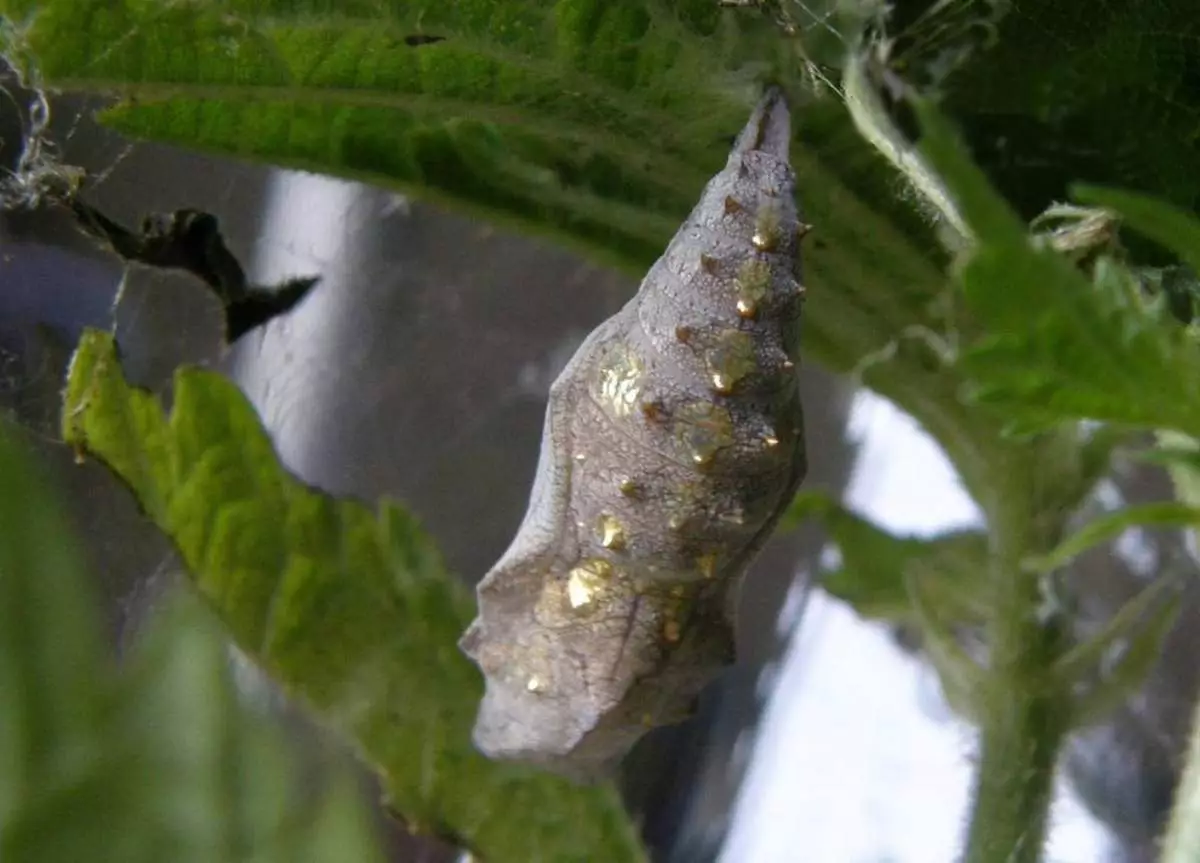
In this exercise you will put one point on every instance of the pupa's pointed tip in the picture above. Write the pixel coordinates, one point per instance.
(770, 126)
(468, 643)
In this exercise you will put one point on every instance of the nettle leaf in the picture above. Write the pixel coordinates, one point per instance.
(51, 701)
(595, 122)
(962, 679)
(876, 567)
(1108, 527)
(157, 761)
(225, 787)
(349, 608)
(1060, 346)
(1105, 669)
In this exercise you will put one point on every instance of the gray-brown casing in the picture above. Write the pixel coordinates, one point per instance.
(673, 442)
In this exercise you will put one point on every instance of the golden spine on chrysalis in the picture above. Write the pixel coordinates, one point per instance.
(673, 441)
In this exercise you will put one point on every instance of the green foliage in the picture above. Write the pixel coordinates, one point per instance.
(1167, 513)
(596, 122)
(1105, 668)
(591, 121)
(1058, 345)
(348, 608)
(156, 761)
(1070, 90)
(876, 568)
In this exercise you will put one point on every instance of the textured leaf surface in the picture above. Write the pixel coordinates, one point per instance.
(595, 121)
(1061, 346)
(157, 762)
(348, 608)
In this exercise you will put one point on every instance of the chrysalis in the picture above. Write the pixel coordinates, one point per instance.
(673, 441)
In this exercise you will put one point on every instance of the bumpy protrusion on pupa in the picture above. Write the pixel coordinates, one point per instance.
(673, 442)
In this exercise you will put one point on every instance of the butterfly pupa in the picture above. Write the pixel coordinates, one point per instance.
(672, 443)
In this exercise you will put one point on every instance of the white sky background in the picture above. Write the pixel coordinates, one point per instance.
(853, 763)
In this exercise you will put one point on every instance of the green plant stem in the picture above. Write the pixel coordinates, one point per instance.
(1023, 719)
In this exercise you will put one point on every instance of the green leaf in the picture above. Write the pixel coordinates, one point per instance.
(595, 122)
(1180, 455)
(1058, 347)
(591, 121)
(962, 679)
(157, 762)
(51, 663)
(348, 608)
(1107, 527)
(1069, 90)
(582, 117)
(207, 806)
(986, 213)
(876, 565)
(1109, 666)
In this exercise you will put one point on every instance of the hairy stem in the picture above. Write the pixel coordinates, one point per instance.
(1023, 719)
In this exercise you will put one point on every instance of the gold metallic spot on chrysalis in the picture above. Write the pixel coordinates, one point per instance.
(684, 333)
(619, 384)
(802, 230)
(730, 359)
(580, 456)
(585, 582)
(678, 591)
(771, 441)
(703, 429)
(628, 487)
(708, 263)
(533, 684)
(677, 521)
(751, 286)
(612, 534)
(788, 365)
(707, 564)
(671, 630)
(731, 205)
(766, 228)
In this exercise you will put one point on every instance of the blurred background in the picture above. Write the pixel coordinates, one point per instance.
(419, 368)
